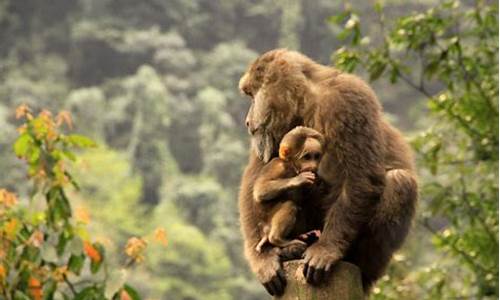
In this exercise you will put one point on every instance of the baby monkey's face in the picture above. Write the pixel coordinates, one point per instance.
(310, 156)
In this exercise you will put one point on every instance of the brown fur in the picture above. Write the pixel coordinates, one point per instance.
(279, 190)
(367, 163)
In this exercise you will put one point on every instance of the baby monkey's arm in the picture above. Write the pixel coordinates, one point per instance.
(273, 181)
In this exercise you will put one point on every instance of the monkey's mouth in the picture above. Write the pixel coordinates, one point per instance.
(265, 145)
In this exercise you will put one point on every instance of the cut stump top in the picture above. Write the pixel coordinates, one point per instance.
(344, 283)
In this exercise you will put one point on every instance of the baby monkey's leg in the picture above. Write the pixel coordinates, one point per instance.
(282, 224)
(263, 240)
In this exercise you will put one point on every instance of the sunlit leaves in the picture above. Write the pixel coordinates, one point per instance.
(160, 236)
(79, 141)
(43, 252)
(135, 249)
(451, 49)
(346, 60)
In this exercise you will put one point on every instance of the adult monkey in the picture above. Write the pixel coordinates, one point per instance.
(369, 165)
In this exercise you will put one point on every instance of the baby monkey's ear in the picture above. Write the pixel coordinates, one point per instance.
(284, 152)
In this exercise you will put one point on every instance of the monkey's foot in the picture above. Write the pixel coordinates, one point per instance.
(319, 260)
(293, 251)
(270, 273)
(310, 237)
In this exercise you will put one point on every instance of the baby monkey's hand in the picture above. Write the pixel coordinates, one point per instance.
(304, 178)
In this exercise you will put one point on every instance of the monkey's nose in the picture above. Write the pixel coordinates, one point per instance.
(251, 130)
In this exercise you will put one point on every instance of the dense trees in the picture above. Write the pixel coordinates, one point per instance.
(449, 54)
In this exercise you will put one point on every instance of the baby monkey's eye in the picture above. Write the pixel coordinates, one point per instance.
(307, 156)
(317, 156)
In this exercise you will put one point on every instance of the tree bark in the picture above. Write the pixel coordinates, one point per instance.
(344, 283)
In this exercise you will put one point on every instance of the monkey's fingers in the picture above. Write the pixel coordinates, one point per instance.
(276, 286)
(314, 276)
(309, 273)
(292, 252)
(310, 237)
(309, 175)
(318, 270)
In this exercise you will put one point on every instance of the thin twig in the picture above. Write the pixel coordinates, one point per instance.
(71, 287)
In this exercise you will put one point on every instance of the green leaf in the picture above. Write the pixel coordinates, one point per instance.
(132, 292)
(337, 19)
(70, 155)
(80, 141)
(23, 144)
(72, 180)
(31, 253)
(394, 74)
(58, 205)
(75, 263)
(344, 34)
(49, 289)
(21, 296)
(89, 293)
(376, 70)
(64, 238)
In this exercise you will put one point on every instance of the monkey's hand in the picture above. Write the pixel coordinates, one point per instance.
(293, 251)
(304, 178)
(270, 273)
(319, 260)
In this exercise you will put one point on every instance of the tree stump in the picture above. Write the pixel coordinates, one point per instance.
(344, 283)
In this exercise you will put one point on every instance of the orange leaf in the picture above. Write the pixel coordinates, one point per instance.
(160, 235)
(36, 239)
(135, 248)
(22, 110)
(45, 114)
(59, 273)
(11, 228)
(124, 295)
(3, 273)
(91, 252)
(35, 288)
(64, 116)
(82, 215)
(7, 198)
(22, 129)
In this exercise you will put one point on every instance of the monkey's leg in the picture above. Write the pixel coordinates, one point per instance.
(386, 231)
(264, 240)
(261, 243)
(282, 224)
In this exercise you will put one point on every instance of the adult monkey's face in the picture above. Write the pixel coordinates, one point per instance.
(274, 107)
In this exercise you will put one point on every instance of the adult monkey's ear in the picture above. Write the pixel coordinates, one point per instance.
(276, 70)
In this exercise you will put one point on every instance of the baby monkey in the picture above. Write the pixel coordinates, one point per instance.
(278, 190)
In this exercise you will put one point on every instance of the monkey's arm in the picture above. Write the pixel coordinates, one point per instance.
(271, 182)
(269, 190)
(356, 152)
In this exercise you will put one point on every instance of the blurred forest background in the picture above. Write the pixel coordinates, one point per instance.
(154, 83)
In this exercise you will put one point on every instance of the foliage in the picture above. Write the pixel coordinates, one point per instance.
(46, 249)
(449, 54)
